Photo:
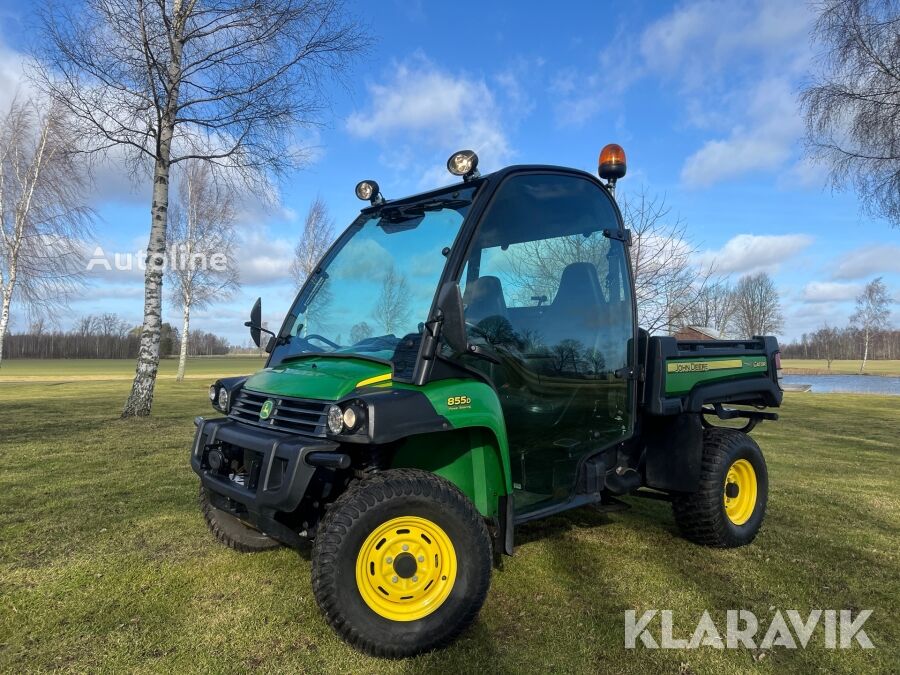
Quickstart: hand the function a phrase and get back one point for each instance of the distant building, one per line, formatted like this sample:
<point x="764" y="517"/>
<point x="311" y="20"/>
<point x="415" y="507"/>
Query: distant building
<point x="698" y="333"/>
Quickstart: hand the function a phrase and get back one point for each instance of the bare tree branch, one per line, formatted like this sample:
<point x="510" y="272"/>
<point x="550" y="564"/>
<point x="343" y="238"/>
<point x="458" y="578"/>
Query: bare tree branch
<point x="852" y="104"/>
<point x="225" y="82"/>
<point x="758" y="307"/>
<point x="202" y="264"/>
<point x="43" y="218"/>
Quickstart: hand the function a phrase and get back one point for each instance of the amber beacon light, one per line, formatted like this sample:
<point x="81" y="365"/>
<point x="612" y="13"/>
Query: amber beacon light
<point x="611" y="166"/>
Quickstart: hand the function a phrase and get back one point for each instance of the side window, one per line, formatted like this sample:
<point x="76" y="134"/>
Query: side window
<point x="544" y="282"/>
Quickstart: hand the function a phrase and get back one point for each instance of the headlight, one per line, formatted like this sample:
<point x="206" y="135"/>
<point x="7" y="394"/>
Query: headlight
<point x="350" y="417"/>
<point x="223" y="399"/>
<point x="335" y="419"/>
<point x="212" y="393"/>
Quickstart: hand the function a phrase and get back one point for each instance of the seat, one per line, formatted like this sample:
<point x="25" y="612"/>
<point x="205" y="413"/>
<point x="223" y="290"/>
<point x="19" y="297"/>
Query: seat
<point x="579" y="308"/>
<point x="484" y="298"/>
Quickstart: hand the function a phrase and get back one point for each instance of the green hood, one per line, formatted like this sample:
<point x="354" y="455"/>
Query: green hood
<point x="325" y="378"/>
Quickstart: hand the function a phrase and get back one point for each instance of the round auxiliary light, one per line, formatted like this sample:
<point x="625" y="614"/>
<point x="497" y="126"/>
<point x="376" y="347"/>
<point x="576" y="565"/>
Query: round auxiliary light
<point x="335" y="419"/>
<point x="212" y="392"/>
<point x="463" y="163"/>
<point x="367" y="190"/>
<point x="350" y="417"/>
<point x="223" y="399"/>
<point x="612" y="162"/>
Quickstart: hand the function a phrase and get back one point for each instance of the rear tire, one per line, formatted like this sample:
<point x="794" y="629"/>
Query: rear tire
<point x="728" y="508"/>
<point x="231" y="531"/>
<point x="401" y="563"/>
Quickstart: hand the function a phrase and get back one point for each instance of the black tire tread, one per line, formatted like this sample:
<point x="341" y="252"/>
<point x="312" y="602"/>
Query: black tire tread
<point x="258" y="542"/>
<point x="700" y="515"/>
<point x="350" y="506"/>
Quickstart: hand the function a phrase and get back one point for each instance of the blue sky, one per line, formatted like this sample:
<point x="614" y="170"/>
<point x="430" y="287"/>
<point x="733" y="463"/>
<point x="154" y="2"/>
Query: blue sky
<point x="702" y="95"/>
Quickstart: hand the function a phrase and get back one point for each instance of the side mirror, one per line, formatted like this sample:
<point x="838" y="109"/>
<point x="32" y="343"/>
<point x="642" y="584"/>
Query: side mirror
<point x="453" y="325"/>
<point x="255" y="322"/>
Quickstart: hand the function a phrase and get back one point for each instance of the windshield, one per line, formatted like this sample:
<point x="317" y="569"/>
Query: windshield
<point x="373" y="292"/>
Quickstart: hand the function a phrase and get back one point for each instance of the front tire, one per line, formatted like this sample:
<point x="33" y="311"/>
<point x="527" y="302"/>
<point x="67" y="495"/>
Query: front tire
<point x="232" y="532"/>
<point x="728" y="508"/>
<point x="401" y="564"/>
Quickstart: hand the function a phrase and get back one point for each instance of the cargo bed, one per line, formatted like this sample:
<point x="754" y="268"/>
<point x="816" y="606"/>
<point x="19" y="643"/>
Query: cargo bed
<point x="684" y="375"/>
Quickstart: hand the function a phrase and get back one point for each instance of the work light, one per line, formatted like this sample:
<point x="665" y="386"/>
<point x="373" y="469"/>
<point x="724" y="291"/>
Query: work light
<point x="463" y="163"/>
<point x="368" y="191"/>
<point x="335" y="419"/>
<point x="223" y="399"/>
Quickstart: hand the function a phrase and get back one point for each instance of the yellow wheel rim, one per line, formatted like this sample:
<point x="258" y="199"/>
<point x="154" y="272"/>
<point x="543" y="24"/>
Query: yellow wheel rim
<point x="740" y="492"/>
<point x="406" y="568"/>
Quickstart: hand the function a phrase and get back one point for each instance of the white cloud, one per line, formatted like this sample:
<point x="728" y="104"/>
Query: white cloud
<point x="868" y="261"/>
<point x="750" y="253"/>
<point x="422" y="113"/>
<point x="580" y="95"/>
<point x="13" y="83"/>
<point x="363" y="259"/>
<point x="264" y="259"/>
<point x="738" y="67"/>
<point x="700" y="40"/>
<point x="830" y="291"/>
<point x="763" y="142"/>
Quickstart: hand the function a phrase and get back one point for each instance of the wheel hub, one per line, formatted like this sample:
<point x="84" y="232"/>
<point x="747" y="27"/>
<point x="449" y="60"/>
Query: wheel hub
<point x="405" y="565"/>
<point x="406" y="568"/>
<point x="739" y="492"/>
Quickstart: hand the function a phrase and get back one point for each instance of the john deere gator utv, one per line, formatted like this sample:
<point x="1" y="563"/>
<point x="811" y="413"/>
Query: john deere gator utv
<point x="461" y="362"/>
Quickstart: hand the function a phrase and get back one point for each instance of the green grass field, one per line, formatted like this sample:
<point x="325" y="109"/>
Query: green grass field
<point x="820" y="367"/>
<point x="106" y="564"/>
<point x="73" y="370"/>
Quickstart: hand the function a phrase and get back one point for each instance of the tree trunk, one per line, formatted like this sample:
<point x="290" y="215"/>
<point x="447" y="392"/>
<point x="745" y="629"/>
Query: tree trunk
<point x="140" y="401"/>
<point x="4" y="317"/>
<point x="862" y="366"/>
<point x="185" y="331"/>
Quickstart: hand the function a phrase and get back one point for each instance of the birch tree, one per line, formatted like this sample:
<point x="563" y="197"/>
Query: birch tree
<point x="871" y="315"/>
<point x="202" y="266"/>
<point x="392" y="308"/>
<point x="318" y="233"/>
<point x="42" y="214"/>
<point x="158" y="82"/>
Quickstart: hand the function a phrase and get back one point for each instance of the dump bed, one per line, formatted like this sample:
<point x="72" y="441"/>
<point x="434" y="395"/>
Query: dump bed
<point x="684" y="375"/>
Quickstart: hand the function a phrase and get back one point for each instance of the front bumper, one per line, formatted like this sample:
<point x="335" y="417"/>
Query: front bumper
<point x="279" y="478"/>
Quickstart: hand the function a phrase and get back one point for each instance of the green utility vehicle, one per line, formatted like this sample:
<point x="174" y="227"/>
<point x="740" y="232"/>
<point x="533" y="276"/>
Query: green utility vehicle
<point x="461" y="362"/>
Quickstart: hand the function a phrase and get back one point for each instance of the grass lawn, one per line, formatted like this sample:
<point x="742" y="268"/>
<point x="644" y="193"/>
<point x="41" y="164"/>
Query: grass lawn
<point x="106" y="564"/>
<point x="844" y="367"/>
<point x="74" y="370"/>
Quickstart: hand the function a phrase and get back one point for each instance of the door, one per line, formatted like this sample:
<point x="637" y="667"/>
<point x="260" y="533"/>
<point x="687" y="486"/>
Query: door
<point x="548" y="294"/>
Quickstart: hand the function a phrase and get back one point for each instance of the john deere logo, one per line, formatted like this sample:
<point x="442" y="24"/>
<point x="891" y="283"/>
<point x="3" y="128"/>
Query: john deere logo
<point x="266" y="409"/>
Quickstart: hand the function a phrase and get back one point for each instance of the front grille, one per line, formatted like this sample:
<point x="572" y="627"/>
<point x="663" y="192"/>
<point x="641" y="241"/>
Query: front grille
<point x="293" y="415"/>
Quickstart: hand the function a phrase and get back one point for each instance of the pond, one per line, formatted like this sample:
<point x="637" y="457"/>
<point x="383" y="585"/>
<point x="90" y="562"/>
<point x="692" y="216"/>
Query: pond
<point x="848" y="384"/>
